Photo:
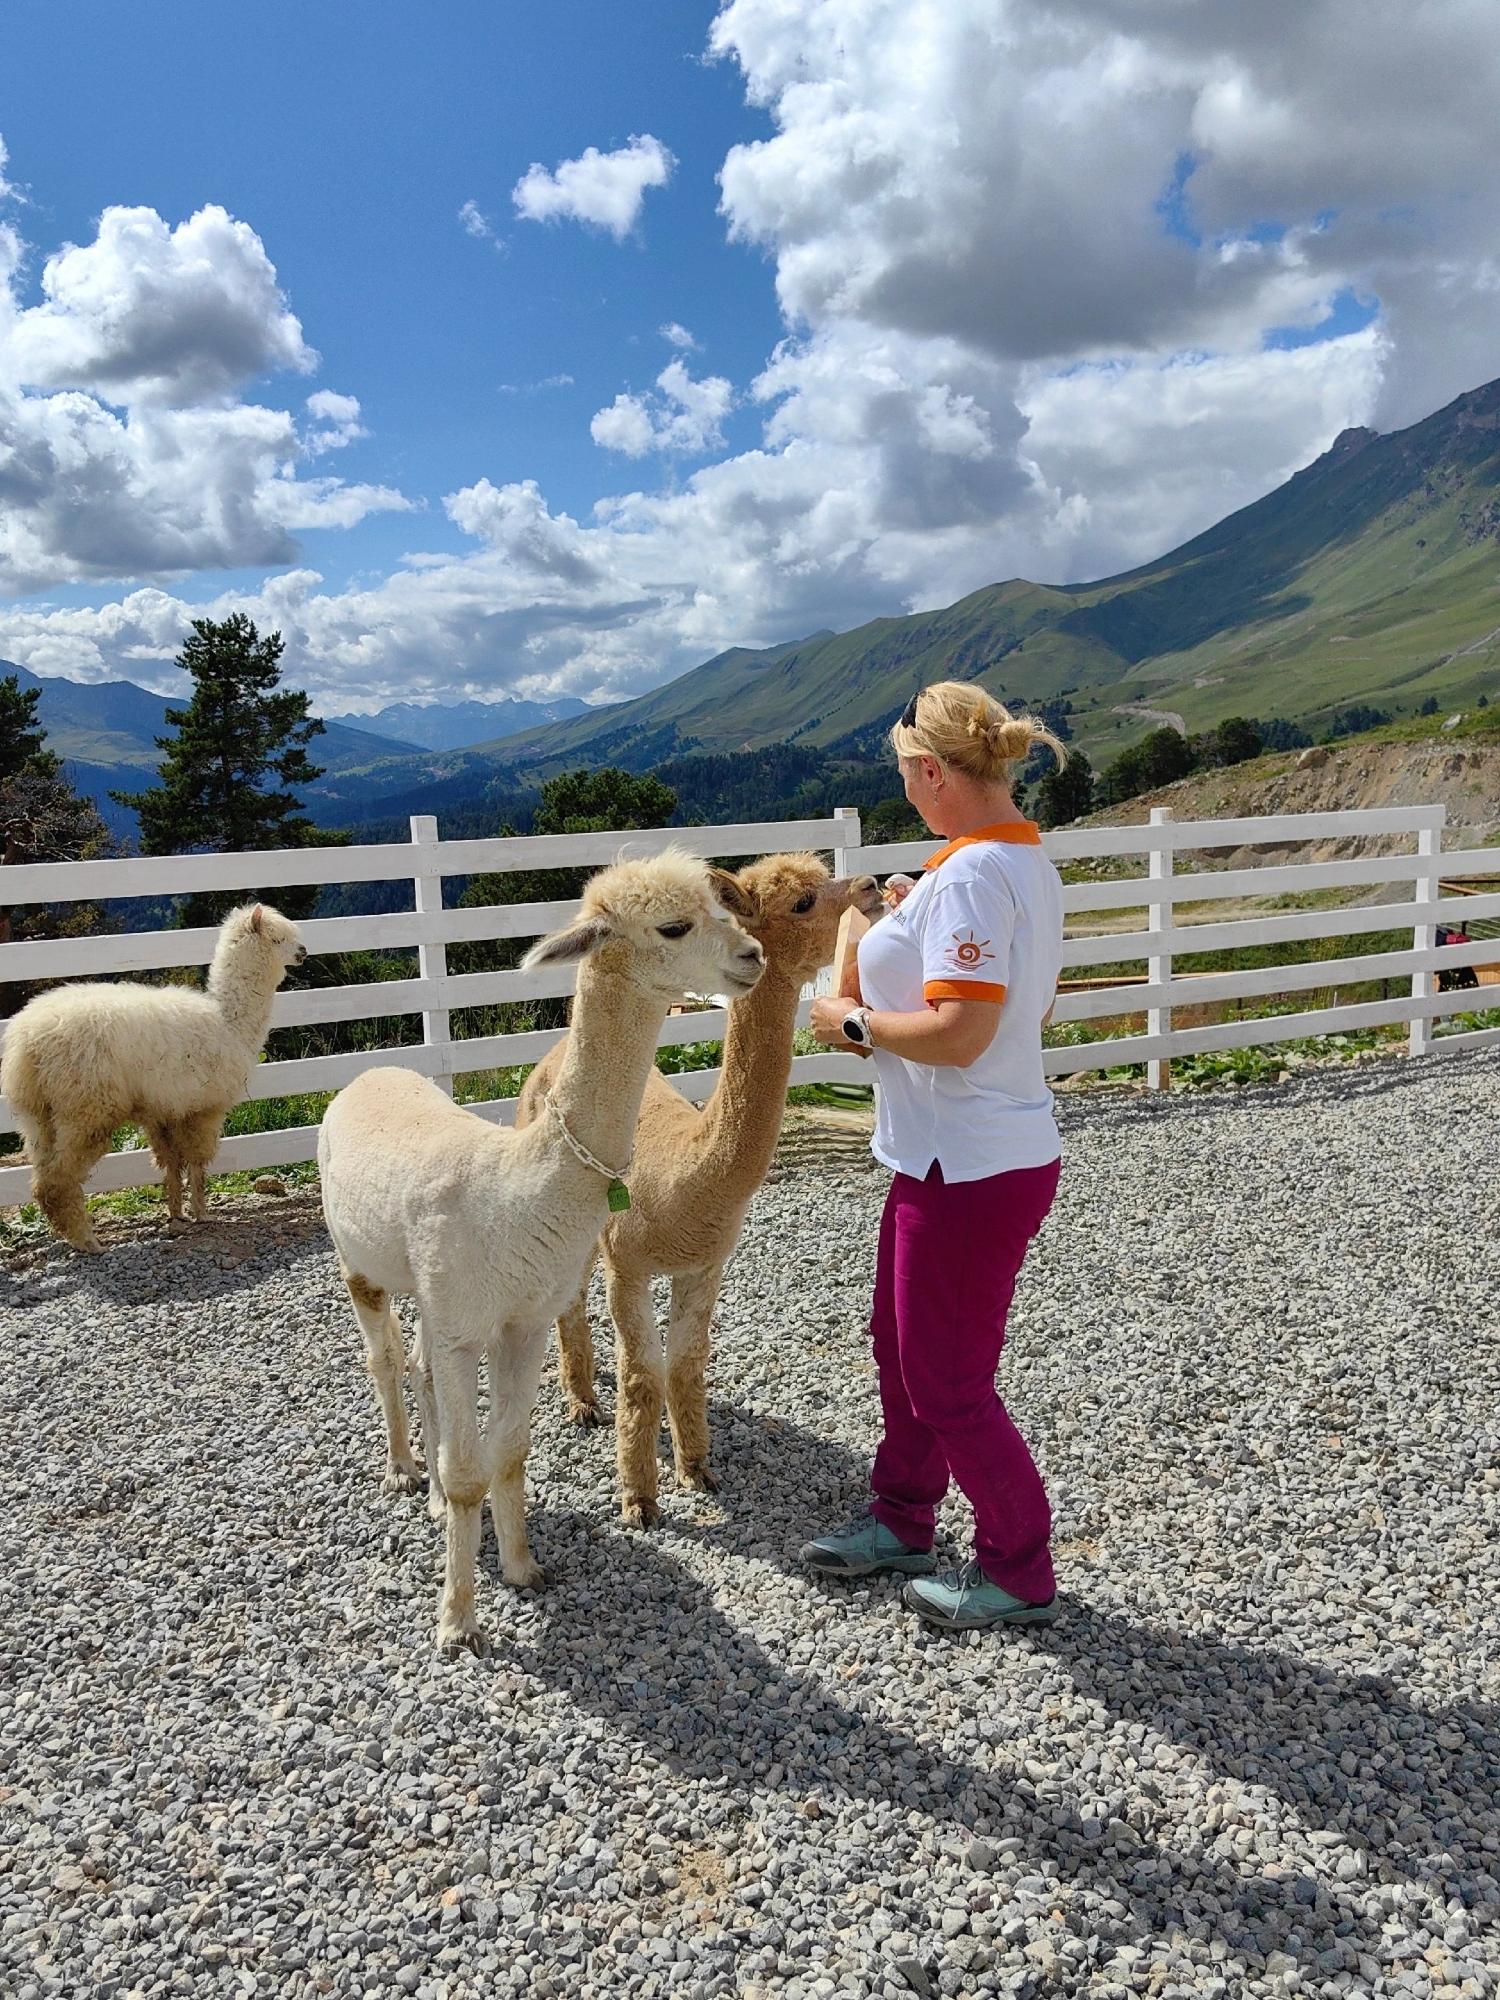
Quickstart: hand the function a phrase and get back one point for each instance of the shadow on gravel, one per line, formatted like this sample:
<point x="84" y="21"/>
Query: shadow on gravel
<point x="147" y="1266"/>
<point x="1417" y="1790"/>
<point x="695" y="1689"/>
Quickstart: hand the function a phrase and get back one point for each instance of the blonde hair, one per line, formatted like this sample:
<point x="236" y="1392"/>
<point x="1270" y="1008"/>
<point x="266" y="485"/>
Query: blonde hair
<point x="967" y="729"/>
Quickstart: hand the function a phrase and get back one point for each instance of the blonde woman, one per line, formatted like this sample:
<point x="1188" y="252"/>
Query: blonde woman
<point x="950" y="996"/>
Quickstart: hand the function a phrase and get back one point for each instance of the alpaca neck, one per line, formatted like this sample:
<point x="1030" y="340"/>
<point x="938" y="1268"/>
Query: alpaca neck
<point x="609" y="1053"/>
<point x="243" y="988"/>
<point x="742" y="1120"/>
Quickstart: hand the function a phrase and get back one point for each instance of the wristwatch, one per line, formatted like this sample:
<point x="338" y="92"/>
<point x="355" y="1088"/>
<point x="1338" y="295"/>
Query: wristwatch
<point x="857" y="1027"/>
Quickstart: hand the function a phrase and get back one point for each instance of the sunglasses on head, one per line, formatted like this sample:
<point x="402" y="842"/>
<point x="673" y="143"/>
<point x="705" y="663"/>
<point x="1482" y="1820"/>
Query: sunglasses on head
<point x="909" y="713"/>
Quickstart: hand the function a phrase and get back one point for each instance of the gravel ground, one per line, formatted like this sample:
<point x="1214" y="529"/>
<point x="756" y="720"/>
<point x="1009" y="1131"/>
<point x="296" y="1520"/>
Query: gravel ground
<point x="1257" y="1349"/>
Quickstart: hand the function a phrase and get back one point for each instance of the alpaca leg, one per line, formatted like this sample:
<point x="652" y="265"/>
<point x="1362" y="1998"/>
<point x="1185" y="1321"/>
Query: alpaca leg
<point x="58" y="1173"/>
<point x="462" y="1467"/>
<point x="166" y="1150"/>
<point x="200" y="1141"/>
<point x="421" y="1368"/>
<point x="386" y="1363"/>
<point x="638" y="1397"/>
<point x="694" y="1296"/>
<point x="516" y="1363"/>
<point x="575" y="1354"/>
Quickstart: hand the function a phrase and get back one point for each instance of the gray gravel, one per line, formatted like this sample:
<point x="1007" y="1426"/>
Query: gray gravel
<point x="1257" y="1349"/>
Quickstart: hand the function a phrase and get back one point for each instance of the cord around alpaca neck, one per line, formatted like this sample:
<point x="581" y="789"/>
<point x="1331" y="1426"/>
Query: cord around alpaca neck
<point x="582" y="1152"/>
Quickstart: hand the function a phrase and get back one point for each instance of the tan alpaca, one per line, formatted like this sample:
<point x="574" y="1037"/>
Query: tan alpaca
<point x="491" y="1229"/>
<point x="80" y="1061"/>
<point x="695" y="1173"/>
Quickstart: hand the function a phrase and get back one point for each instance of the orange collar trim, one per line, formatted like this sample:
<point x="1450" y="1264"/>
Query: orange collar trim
<point x="1023" y="831"/>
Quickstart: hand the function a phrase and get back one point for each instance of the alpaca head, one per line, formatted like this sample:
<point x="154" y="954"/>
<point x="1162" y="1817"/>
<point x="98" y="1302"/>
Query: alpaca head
<point x="794" y="906"/>
<point x="259" y="942"/>
<point x="658" y="925"/>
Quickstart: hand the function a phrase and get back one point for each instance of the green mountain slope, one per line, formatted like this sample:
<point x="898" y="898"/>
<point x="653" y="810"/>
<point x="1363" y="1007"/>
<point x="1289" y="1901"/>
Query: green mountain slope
<point x="1373" y="575"/>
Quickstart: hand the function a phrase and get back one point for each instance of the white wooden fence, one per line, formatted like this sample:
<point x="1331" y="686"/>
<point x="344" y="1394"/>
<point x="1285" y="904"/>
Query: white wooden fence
<point x="1157" y="935"/>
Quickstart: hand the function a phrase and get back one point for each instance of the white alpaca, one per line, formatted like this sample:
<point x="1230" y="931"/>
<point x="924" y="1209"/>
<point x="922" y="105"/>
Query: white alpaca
<point x="81" y="1060"/>
<point x="490" y="1229"/>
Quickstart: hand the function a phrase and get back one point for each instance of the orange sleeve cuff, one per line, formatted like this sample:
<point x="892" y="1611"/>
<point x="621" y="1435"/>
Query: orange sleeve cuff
<point x="962" y="989"/>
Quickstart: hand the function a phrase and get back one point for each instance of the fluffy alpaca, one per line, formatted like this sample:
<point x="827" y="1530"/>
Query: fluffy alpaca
<point x="81" y="1060"/>
<point x="489" y="1229"/>
<point x="694" y="1176"/>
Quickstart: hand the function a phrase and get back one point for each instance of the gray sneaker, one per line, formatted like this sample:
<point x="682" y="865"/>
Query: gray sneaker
<point x="865" y="1548"/>
<point x="964" y="1600"/>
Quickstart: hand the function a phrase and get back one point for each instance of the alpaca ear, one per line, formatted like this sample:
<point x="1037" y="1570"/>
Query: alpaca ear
<point x="733" y="895"/>
<point x="255" y="919"/>
<point x="565" y="947"/>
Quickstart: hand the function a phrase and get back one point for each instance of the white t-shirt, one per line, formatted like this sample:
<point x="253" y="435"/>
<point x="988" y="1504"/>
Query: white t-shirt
<point x="985" y="922"/>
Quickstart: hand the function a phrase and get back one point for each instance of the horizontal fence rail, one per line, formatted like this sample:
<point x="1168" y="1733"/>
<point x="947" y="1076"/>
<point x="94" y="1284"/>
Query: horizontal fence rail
<point x="1137" y="924"/>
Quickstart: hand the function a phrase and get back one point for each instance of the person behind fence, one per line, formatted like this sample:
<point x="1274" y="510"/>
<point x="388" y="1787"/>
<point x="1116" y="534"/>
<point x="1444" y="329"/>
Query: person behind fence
<point x="950" y="994"/>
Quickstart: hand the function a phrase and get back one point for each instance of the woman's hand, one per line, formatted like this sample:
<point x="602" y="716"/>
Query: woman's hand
<point x="827" y="1023"/>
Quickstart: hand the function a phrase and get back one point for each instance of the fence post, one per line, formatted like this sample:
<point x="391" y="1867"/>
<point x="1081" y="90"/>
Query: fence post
<point x="432" y="955"/>
<point x="1424" y="936"/>
<point x="1159" y="968"/>
<point x="847" y="836"/>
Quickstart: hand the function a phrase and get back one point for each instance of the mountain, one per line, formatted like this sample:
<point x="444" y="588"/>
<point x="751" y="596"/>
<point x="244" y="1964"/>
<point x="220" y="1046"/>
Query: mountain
<point x="115" y="724"/>
<point x="1369" y="576"/>
<point x="456" y="725"/>
<point x="105" y="731"/>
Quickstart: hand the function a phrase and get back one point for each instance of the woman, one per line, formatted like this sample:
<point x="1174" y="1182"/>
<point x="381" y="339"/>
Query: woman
<point x="951" y="992"/>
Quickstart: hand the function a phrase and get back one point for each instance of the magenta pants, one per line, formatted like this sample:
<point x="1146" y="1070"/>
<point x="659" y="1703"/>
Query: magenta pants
<point x="947" y="1266"/>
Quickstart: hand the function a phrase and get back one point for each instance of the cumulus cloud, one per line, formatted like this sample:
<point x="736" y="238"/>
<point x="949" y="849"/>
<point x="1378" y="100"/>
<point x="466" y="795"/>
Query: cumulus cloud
<point x="8" y="191"/>
<point x="605" y="189"/>
<point x="677" y="335"/>
<point x="475" y="224"/>
<point x="150" y="314"/>
<point x="685" y="416"/>
<point x="125" y="451"/>
<point x="337" y="421"/>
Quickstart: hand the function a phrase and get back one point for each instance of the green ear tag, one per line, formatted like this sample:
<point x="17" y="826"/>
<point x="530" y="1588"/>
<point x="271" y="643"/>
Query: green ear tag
<point x="619" y="1197"/>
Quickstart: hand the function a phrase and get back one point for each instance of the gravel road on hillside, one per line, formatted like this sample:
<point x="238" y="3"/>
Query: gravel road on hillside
<point x="1258" y="1348"/>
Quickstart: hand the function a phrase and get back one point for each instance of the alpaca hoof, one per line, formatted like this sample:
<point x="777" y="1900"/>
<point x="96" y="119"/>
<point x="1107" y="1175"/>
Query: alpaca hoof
<point x="401" y="1479"/>
<point x="455" y="1640"/>
<point x="637" y="1511"/>
<point x="698" y="1476"/>
<point x="87" y="1246"/>
<point x="437" y="1503"/>
<point x="524" y="1576"/>
<point x="178" y="1225"/>
<point x="586" y="1416"/>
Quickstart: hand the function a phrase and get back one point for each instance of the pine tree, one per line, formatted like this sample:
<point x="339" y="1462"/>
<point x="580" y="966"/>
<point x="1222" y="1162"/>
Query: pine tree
<point x="1065" y="795"/>
<point x="226" y="779"/>
<point x="21" y="733"/>
<point x="41" y="819"/>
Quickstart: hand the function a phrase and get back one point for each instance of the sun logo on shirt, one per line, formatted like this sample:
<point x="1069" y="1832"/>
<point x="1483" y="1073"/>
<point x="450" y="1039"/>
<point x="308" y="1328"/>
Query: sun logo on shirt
<point x="968" y="952"/>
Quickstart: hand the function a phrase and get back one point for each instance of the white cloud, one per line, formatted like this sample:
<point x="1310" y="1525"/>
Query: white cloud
<point x="536" y="388"/>
<point x="625" y="426"/>
<point x="124" y="449"/>
<point x="148" y="314"/>
<point x="606" y="189"/>
<point x="685" y="417"/>
<point x="677" y="335"/>
<point x="337" y="418"/>
<point x="8" y="190"/>
<point x="475" y="224"/>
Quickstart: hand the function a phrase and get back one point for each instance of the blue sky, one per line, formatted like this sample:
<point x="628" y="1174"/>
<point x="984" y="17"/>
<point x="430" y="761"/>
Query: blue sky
<point x="1001" y="287"/>
<point x="350" y="137"/>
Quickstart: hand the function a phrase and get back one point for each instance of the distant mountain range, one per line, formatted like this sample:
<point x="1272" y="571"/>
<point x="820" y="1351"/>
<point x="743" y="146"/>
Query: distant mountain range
<point x="454" y="725"/>
<point x="1372" y="577"/>
<point x="373" y="766"/>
